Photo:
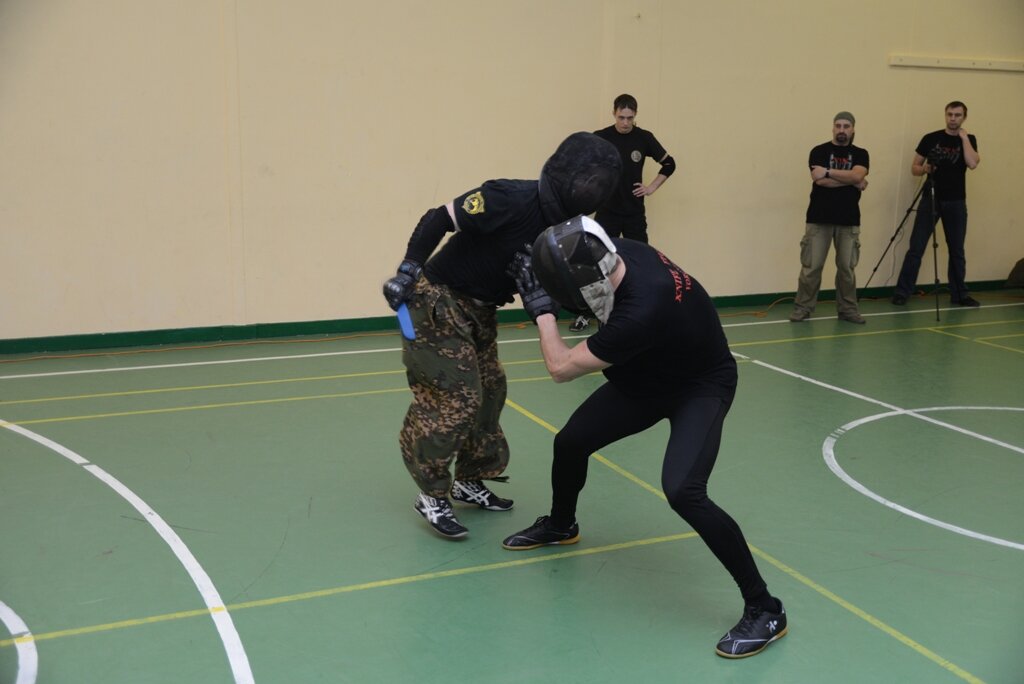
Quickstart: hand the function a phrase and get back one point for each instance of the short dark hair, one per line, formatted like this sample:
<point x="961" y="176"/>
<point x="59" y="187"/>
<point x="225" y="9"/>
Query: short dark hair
<point x="954" y="104"/>
<point x="625" y="101"/>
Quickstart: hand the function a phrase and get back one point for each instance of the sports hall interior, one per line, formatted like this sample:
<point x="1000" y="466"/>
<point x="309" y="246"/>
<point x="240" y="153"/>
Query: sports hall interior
<point x="201" y="385"/>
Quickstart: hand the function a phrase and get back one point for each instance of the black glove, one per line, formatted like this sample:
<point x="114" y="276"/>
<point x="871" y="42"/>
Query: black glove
<point x="399" y="288"/>
<point x="535" y="298"/>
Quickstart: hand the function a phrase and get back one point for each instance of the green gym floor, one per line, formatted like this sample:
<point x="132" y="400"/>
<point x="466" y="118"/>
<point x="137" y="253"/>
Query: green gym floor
<point x="240" y="512"/>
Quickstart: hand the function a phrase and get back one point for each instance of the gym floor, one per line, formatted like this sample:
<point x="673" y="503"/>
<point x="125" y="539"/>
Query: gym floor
<point x="240" y="512"/>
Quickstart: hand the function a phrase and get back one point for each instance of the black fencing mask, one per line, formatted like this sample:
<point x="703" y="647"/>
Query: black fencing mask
<point x="579" y="177"/>
<point x="572" y="261"/>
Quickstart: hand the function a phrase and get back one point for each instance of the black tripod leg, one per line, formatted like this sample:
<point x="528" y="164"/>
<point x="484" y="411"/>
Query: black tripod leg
<point x="910" y="210"/>
<point x="935" y="249"/>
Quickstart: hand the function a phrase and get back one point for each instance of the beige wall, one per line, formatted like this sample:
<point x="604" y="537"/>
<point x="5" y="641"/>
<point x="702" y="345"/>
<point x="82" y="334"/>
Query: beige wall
<point x="181" y="163"/>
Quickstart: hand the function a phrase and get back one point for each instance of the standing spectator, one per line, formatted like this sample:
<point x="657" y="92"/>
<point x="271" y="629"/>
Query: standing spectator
<point x="944" y="155"/>
<point x="624" y="213"/>
<point x="838" y="173"/>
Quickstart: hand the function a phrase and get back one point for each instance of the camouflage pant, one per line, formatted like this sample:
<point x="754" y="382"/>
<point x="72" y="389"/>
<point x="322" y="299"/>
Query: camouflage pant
<point x="458" y="389"/>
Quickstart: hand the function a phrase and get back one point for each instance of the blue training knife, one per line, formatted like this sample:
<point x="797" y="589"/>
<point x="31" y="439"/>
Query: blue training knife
<point x="405" y="322"/>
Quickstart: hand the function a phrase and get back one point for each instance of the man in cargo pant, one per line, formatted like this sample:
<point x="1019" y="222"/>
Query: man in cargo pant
<point x="457" y="382"/>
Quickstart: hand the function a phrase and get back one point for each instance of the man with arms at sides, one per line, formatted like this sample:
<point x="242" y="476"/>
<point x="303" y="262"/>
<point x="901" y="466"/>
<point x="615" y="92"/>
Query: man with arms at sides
<point x="945" y="155"/>
<point x="625" y="214"/>
<point x="458" y="385"/>
<point x="664" y="354"/>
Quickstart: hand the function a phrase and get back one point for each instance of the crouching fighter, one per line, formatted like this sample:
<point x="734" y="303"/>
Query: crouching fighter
<point x="665" y="357"/>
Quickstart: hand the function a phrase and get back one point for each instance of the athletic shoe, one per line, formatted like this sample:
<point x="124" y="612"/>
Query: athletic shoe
<point x="439" y="513"/>
<point x="799" y="315"/>
<point x="852" y="317"/>
<point x="579" y="324"/>
<point x="755" y="630"/>
<point x="474" y="492"/>
<point x="899" y="300"/>
<point x="542" y="533"/>
<point x="968" y="301"/>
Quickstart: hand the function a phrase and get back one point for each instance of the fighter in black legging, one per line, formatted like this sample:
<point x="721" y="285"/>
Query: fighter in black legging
<point x="696" y="432"/>
<point x="665" y="356"/>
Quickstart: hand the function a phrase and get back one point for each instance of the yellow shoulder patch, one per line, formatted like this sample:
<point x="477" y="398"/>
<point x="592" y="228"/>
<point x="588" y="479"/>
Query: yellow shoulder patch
<point x="474" y="204"/>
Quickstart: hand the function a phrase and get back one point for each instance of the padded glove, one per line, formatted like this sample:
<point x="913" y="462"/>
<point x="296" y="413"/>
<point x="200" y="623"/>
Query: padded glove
<point x="399" y="288"/>
<point x="535" y="298"/>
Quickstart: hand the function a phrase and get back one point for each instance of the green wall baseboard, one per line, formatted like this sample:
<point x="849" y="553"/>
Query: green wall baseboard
<point x="227" y="333"/>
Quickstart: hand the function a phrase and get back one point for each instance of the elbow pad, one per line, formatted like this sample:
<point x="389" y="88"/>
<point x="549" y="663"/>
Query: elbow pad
<point x="428" y="233"/>
<point x="668" y="166"/>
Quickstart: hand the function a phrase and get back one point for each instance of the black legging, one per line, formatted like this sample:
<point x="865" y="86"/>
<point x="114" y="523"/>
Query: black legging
<point x="607" y="416"/>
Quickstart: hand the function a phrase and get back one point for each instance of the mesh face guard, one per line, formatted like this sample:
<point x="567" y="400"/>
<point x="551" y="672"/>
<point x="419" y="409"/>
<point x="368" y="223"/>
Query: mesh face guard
<point x="572" y="261"/>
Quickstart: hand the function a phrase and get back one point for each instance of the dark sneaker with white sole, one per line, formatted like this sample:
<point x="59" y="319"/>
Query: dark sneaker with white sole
<point x="542" y="533"/>
<point x="439" y="513"/>
<point x="755" y="630"/>
<point x="474" y="493"/>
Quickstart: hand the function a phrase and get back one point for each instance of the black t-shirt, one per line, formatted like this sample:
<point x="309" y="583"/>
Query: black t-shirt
<point x="946" y="152"/>
<point x="633" y="147"/>
<point x="663" y="337"/>
<point x="838" y="206"/>
<point x="494" y="222"/>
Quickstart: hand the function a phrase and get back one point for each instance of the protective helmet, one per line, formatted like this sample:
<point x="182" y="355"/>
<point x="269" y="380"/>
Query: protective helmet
<point x="579" y="177"/>
<point x="572" y="261"/>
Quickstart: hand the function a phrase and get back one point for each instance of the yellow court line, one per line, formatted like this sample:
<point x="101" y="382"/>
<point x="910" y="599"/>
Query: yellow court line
<point x="192" y="388"/>
<point x="200" y="407"/>
<point x="867" y="617"/>
<point x="999" y="346"/>
<point x="230" y="404"/>
<point x="999" y="337"/>
<point x="949" y="334"/>
<point x="321" y="593"/>
<point x="814" y="338"/>
<point x="871" y="619"/>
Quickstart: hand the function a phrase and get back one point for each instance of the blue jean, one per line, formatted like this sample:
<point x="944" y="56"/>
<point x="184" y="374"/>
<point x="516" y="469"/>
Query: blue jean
<point x="953" y="215"/>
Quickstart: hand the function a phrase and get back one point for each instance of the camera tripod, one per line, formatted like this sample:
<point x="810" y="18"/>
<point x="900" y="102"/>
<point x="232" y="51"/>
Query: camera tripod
<point x="915" y="205"/>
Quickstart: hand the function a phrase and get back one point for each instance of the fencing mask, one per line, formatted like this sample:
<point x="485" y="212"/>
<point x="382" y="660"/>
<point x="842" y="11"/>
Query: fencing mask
<point x="572" y="261"/>
<point x="578" y="177"/>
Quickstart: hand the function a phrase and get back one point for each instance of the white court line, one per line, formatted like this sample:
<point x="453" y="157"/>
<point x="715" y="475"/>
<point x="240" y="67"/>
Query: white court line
<point x="237" y="657"/>
<point x="896" y="410"/>
<point x="784" y="322"/>
<point x="28" y="657"/>
<point x="828" y="451"/>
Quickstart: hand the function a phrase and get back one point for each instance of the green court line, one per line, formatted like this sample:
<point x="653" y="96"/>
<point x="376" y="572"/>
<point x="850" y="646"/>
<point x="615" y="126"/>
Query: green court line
<point x="346" y="589"/>
<point x="806" y="581"/>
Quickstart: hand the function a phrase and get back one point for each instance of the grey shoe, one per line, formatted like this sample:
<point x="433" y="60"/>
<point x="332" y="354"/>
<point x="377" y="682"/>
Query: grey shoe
<point x="799" y="315"/>
<point x="852" y="317"/>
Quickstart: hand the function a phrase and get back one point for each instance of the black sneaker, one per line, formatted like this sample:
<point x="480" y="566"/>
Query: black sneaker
<point x="541" y="533"/>
<point x="755" y="630"/>
<point x="474" y="492"/>
<point x="968" y="301"/>
<point x="579" y="324"/>
<point x="899" y="300"/>
<point x="439" y="513"/>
